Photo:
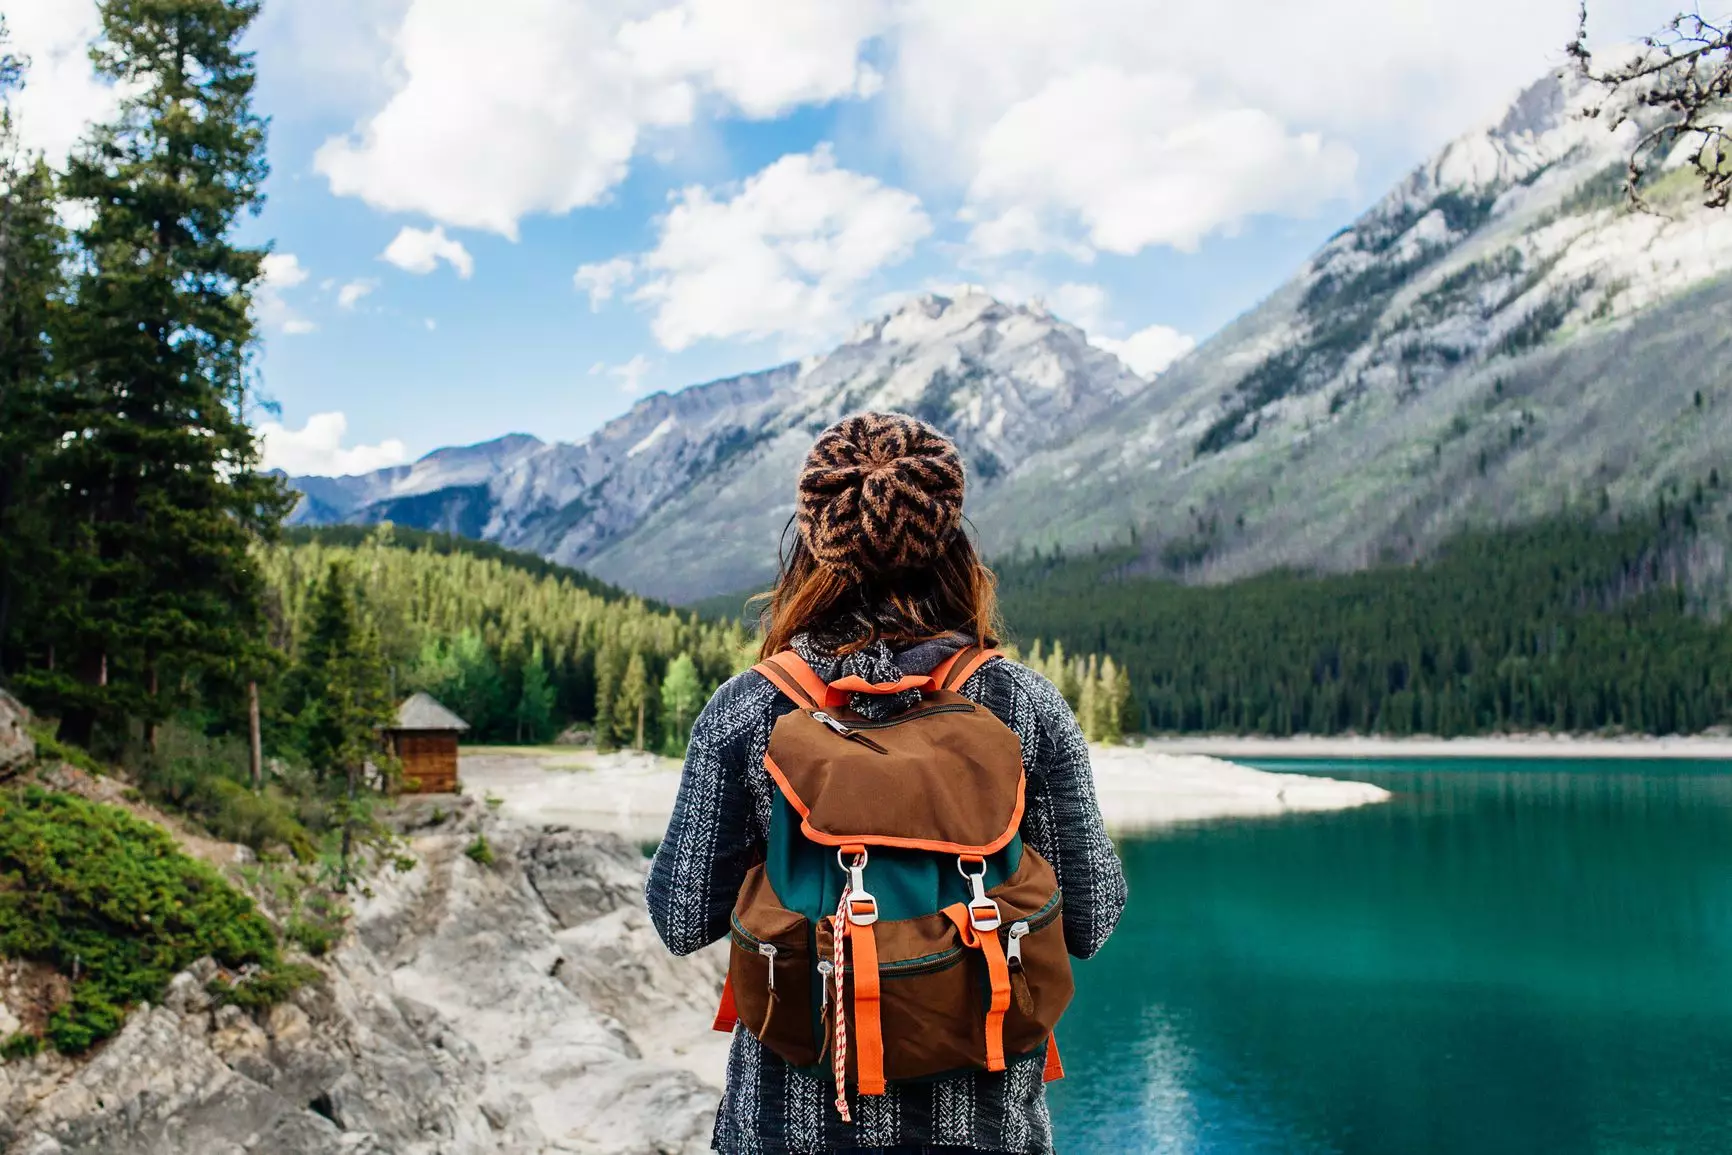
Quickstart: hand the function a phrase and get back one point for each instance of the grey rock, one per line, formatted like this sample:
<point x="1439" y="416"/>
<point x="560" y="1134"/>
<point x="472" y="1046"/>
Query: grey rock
<point x="16" y="745"/>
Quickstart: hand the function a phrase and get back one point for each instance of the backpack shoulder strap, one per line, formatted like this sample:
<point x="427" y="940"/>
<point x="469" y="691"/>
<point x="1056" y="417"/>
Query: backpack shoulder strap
<point x="951" y="673"/>
<point x="789" y="673"/>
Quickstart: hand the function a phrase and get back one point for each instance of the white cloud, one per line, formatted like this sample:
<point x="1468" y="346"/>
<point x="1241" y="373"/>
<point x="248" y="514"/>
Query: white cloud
<point x="629" y="375"/>
<point x="601" y="279"/>
<point x="786" y="254"/>
<point x="281" y="272"/>
<point x="1140" y="160"/>
<point x="430" y="324"/>
<point x="317" y="449"/>
<point x="61" y="96"/>
<point x="351" y="293"/>
<point x="763" y="56"/>
<point x="1124" y="124"/>
<point x="1149" y="351"/>
<point x="419" y="251"/>
<point x="458" y="139"/>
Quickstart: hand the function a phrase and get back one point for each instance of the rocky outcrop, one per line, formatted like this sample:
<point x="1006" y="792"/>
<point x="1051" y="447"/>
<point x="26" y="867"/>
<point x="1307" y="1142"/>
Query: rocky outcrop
<point x="522" y="1007"/>
<point x="17" y="747"/>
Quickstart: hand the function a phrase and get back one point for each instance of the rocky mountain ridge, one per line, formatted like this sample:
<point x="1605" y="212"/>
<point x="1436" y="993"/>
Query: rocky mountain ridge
<point x="1498" y="338"/>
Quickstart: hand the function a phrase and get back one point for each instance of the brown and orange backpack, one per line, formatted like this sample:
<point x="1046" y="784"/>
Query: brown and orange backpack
<point x="898" y="929"/>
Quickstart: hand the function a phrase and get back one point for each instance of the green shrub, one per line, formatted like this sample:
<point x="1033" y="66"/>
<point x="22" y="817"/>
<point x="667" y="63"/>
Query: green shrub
<point x="206" y="780"/>
<point x="479" y="851"/>
<point x="21" y="1045"/>
<point x="49" y="748"/>
<point x="110" y="901"/>
<point x="264" y="989"/>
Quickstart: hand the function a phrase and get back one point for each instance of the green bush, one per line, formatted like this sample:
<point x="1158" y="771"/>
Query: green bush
<point x="49" y="748"/>
<point x="206" y="780"/>
<point x="110" y="901"/>
<point x="479" y="851"/>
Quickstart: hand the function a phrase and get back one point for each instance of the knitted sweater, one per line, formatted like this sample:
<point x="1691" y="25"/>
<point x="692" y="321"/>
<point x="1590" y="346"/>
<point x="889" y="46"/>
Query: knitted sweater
<point x="719" y="827"/>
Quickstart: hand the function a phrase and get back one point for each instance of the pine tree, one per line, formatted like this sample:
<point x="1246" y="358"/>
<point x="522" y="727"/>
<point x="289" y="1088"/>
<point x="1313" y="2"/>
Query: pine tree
<point x="30" y="280"/>
<point x="535" y="702"/>
<point x="1109" y="702"/>
<point x="1088" y="709"/>
<point x="631" y="704"/>
<point x="682" y="698"/>
<point x="158" y="494"/>
<point x="609" y="670"/>
<point x="337" y="692"/>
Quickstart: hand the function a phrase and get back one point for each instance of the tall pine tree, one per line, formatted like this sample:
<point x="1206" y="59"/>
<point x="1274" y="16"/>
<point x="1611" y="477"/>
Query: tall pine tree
<point x="160" y="499"/>
<point x="30" y="279"/>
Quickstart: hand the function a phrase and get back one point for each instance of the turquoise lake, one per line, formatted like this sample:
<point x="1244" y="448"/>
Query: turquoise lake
<point x="1530" y="957"/>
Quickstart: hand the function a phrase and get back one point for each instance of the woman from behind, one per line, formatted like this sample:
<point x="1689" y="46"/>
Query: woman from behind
<point x="881" y="587"/>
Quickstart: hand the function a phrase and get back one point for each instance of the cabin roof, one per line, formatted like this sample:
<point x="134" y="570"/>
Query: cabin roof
<point x="423" y="712"/>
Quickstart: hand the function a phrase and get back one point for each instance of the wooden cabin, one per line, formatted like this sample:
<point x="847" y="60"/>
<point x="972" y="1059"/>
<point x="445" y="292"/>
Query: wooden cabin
<point x="424" y="739"/>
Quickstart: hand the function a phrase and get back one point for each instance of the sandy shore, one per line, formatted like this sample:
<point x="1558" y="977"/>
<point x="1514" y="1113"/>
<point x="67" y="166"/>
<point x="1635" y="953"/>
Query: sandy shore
<point x="1501" y="746"/>
<point x="1140" y="788"/>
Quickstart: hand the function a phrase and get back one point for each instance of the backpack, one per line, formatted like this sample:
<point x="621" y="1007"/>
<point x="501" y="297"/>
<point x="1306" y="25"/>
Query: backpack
<point x="898" y="928"/>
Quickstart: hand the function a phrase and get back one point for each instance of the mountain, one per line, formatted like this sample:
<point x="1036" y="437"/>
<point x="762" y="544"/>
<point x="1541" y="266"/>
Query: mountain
<point x="1498" y="338"/>
<point x="688" y="492"/>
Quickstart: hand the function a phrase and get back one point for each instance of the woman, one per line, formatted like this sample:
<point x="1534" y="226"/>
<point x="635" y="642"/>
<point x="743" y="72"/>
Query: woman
<point x="881" y="582"/>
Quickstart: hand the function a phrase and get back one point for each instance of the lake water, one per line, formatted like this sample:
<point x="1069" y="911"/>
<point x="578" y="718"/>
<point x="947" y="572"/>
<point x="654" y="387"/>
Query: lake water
<point x="1526" y="957"/>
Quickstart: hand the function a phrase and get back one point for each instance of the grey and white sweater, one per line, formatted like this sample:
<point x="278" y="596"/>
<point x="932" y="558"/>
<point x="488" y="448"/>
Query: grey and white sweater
<point x="719" y="827"/>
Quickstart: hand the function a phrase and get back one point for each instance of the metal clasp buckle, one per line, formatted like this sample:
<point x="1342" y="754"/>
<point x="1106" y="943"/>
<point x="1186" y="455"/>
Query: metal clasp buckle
<point x="862" y="907"/>
<point x="983" y="913"/>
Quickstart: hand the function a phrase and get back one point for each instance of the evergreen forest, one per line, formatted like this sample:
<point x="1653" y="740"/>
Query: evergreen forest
<point x="1578" y="624"/>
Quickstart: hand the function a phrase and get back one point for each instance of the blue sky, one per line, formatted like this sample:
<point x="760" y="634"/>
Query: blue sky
<point x="521" y="216"/>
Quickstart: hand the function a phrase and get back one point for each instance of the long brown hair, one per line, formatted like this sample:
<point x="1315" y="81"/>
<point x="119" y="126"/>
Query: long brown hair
<point x="956" y="592"/>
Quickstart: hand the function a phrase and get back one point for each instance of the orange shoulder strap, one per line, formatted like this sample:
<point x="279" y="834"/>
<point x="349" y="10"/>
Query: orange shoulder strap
<point x="789" y="673"/>
<point x="951" y="673"/>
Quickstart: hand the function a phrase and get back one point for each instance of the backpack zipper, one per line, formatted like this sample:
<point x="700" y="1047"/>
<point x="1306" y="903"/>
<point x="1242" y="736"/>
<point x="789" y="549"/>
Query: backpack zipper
<point x="847" y="731"/>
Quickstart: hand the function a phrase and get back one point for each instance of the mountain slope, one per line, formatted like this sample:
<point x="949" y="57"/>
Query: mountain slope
<point x="1498" y="338"/>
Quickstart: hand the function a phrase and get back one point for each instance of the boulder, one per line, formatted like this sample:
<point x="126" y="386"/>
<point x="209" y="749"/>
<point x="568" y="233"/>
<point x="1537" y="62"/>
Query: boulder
<point x="16" y="745"/>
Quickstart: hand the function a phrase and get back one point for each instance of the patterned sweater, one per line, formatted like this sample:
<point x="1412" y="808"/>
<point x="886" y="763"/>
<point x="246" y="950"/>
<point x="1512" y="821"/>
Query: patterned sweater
<point x="719" y="827"/>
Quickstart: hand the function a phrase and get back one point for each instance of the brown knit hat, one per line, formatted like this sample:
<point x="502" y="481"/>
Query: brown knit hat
<point x="879" y="491"/>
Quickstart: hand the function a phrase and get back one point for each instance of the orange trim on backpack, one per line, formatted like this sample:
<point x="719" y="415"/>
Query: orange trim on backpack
<point x="936" y="847"/>
<point x="960" y="666"/>
<point x="789" y="674"/>
<point x="1054" y="1065"/>
<point x="868" y="1025"/>
<point x="998" y="977"/>
<point x="727" y="1015"/>
<point x="855" y="684"/>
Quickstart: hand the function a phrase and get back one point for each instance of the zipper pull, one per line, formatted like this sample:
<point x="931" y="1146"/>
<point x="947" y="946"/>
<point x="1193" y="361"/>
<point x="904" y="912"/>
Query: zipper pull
<point x="768" y="950"/>
<point x="832" y="723"/>
<point x="847" y="732"/>
<point x="1013" y="951"/>
<point x="826" y="971"/>
<point x="1019" y="977"/>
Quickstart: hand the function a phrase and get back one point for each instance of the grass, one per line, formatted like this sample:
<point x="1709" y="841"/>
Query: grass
<point x="111" y="902"/>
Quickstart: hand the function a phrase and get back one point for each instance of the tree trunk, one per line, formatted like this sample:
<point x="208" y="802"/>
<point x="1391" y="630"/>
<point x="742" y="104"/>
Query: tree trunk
<point x="255" y="748"/>
<point x="640" y="707"/>
<point x="348" y="832"/>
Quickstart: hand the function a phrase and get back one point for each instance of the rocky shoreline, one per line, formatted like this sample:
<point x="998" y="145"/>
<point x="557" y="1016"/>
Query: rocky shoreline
<point x="521" y="1007"/>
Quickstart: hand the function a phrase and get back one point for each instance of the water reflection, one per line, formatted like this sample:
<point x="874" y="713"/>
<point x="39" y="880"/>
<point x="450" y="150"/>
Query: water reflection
<point x="1504" y="957"/>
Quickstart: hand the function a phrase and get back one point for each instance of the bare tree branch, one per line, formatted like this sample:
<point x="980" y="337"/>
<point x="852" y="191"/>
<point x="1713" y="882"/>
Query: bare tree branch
<point x="1684" y="72"/>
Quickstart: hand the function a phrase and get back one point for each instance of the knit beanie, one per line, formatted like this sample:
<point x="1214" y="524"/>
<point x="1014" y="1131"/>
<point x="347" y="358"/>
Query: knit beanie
<point x="879" y="491"/>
